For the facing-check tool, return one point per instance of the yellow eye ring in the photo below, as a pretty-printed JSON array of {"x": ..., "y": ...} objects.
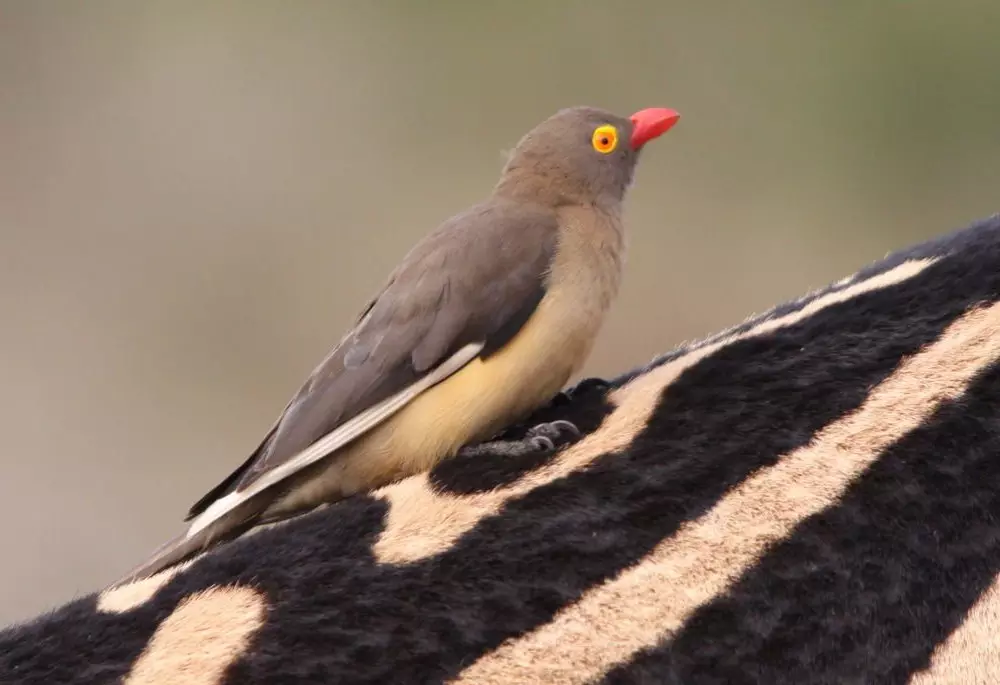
[{"x": 605, "y": 139}]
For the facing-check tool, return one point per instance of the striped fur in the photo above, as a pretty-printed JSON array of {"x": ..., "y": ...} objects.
[{"x": 812, "y": 496}]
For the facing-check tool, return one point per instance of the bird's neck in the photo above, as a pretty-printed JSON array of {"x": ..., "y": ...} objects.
[
  {"x": 550, "y": 190},
  {"x": 522, "y": 187}
]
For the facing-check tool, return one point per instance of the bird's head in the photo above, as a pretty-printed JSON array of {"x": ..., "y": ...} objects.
[{"x": 581, "y": 155}]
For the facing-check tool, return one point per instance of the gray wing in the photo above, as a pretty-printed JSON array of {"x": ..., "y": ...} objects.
[{"x": 476, "y": 279}]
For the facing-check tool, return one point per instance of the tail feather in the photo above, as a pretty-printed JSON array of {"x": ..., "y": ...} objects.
[
  {"x": 186, "y": 546},
  {"x": 174, "y": 552}
]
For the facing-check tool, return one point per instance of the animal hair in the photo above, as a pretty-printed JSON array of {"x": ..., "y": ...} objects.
[{"x": 811, "y": 496}]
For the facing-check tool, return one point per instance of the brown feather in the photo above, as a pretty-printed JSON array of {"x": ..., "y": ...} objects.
[
  {"x": 475, "y": 279},
  {"x": 510, "y": 292}
]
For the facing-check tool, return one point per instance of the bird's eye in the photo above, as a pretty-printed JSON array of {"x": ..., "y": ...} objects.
[{"x": 605, "y": 138}]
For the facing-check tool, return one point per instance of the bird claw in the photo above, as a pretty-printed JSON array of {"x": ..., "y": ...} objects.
[
  {"x": 541, "y": 443},
  {"x": 545, "y": 437},
  {"x": 551, "y": 434}
]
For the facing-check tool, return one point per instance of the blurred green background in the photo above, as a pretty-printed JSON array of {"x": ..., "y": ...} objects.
[{"x": 197, "y": 198}]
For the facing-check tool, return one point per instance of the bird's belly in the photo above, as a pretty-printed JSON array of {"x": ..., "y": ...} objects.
[
  {"x": 475, "y": 403},
  {"x": 488, "y": 394},
  {"x": 472, "y": 405}
]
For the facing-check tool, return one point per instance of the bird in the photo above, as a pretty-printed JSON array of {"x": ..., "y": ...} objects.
[{"x": 483, "y": 322}]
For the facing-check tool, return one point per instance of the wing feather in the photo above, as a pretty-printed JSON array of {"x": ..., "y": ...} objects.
[{"x": 463, "y": 291}]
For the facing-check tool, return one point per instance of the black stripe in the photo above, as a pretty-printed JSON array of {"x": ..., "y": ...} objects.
[
  {"x": 336, "y": 615},
  {"x": 865, "y": 590},
  {"x": 724, "y": 418}
]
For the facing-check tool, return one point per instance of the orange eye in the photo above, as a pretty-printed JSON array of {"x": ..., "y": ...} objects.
[{"x": 605, "y": 138}]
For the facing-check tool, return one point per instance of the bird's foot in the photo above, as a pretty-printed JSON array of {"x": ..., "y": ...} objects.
[
  {"x": 545, "y": 437},
  {"x": 552, "y": 435}
]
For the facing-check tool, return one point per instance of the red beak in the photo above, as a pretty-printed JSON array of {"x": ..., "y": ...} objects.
[{"x": 651, "y": 123}]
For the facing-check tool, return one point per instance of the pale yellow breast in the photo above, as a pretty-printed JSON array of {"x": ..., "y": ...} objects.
[{"x": 487, "y": 395}]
